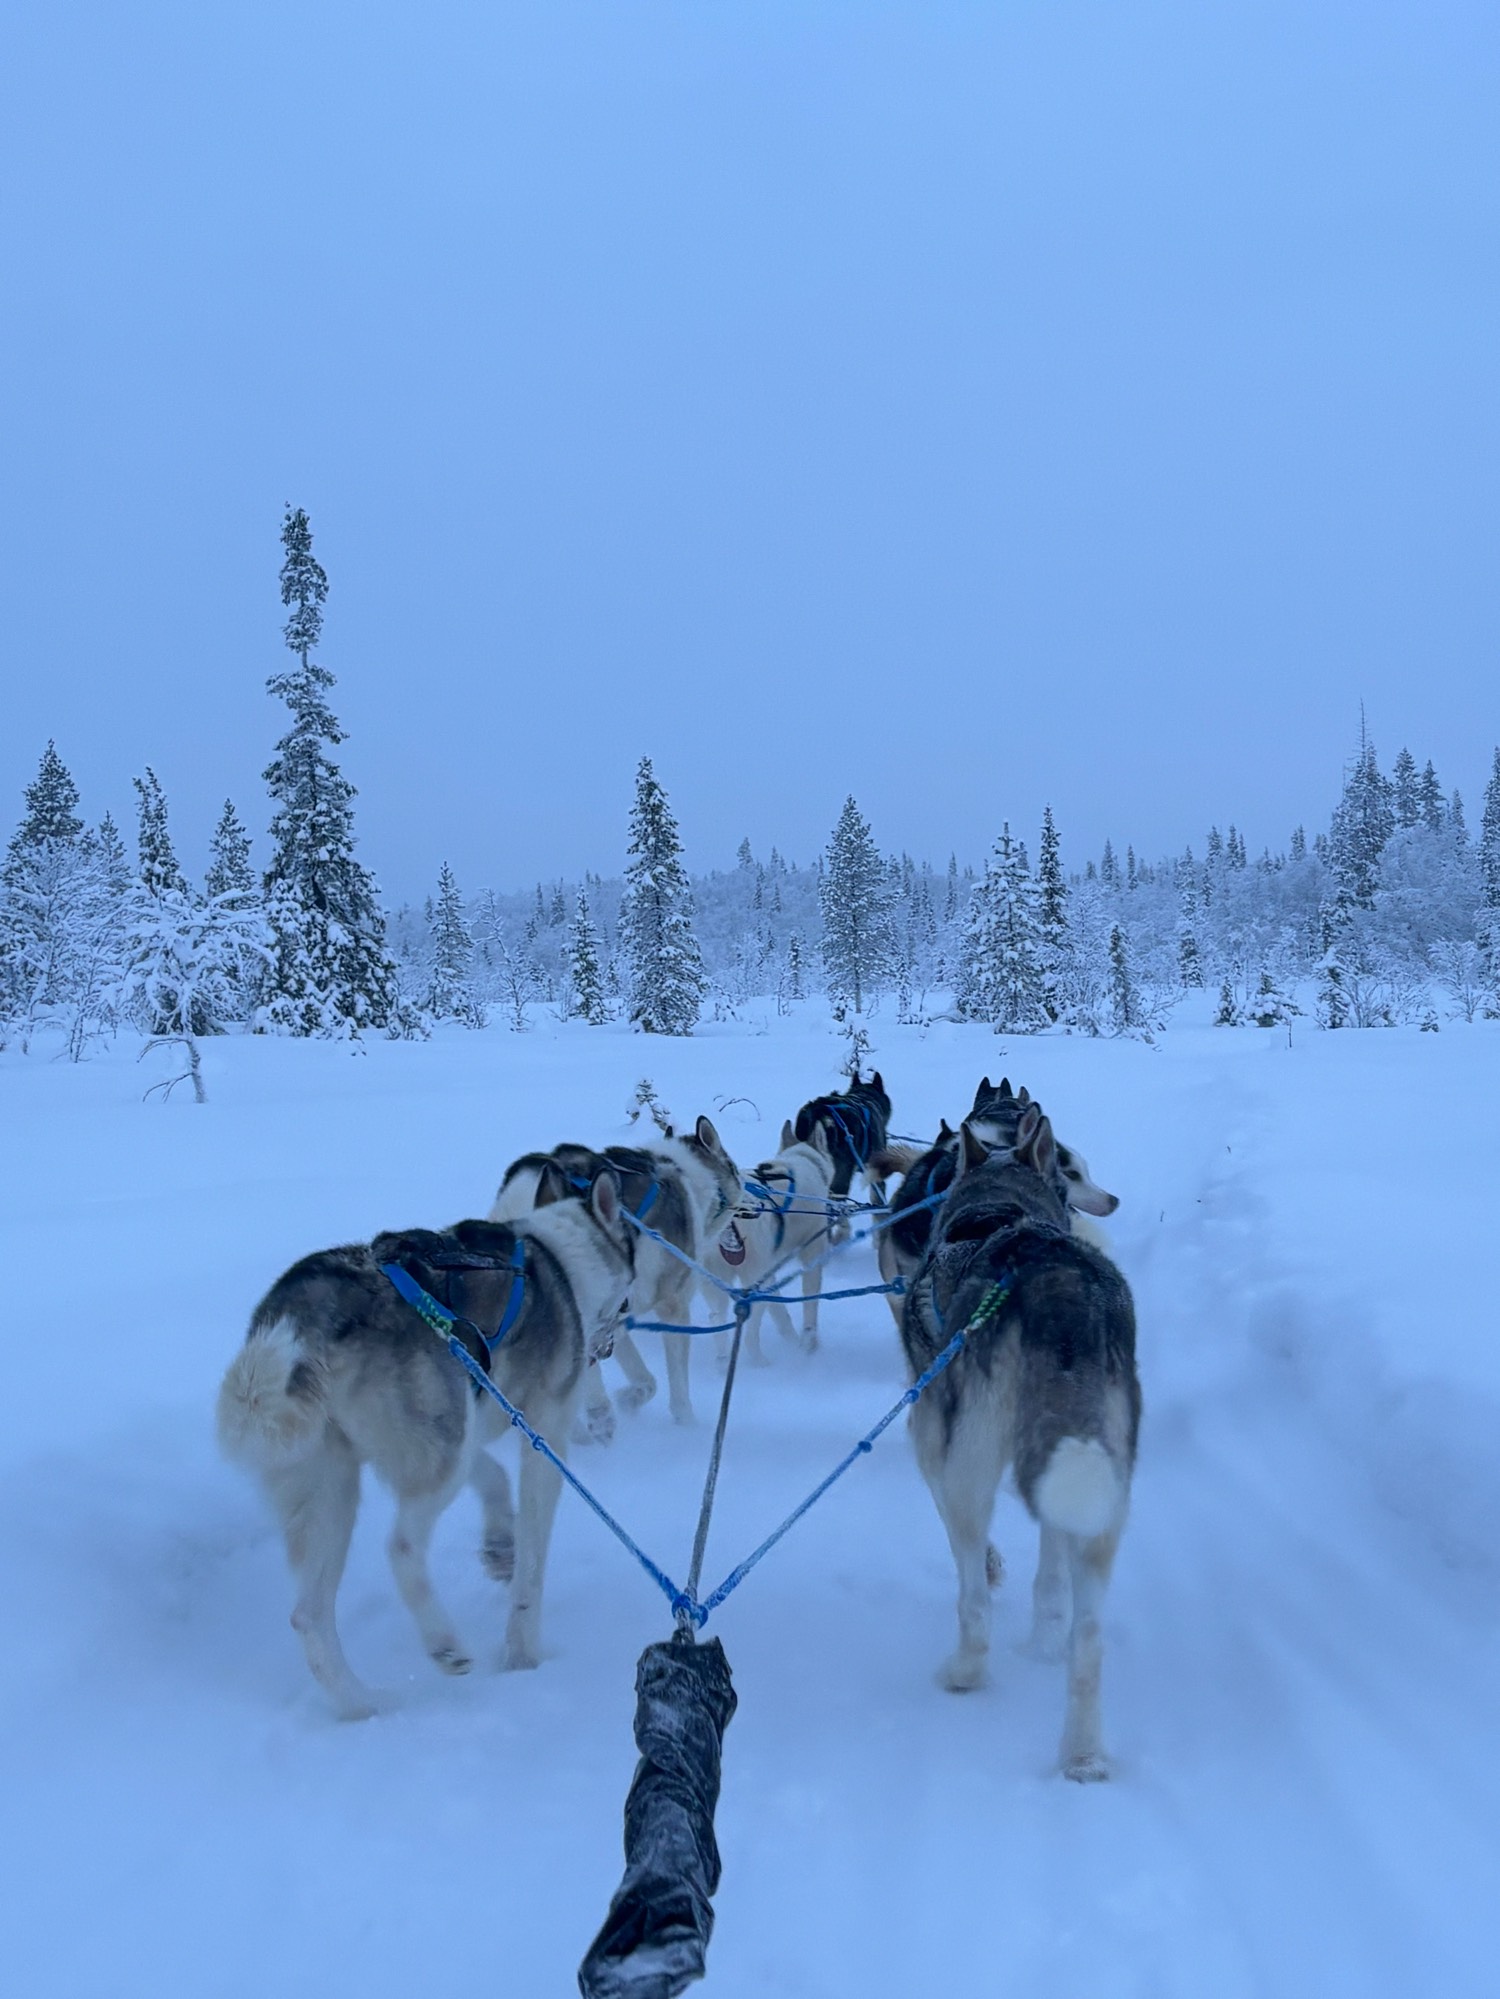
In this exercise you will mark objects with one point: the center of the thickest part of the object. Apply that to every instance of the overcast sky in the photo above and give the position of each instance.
(965, 406)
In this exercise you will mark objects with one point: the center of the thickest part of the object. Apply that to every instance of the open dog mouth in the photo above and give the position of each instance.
(732, 1245)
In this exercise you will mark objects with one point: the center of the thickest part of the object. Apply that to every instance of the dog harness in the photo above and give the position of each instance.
(442, 1319)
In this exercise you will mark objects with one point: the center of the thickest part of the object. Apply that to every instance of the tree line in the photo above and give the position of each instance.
(1389, 914)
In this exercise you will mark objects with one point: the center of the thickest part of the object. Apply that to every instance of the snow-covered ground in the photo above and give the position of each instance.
(1302, 1644)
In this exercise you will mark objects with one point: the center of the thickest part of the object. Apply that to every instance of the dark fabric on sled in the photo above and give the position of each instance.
(654, 1942)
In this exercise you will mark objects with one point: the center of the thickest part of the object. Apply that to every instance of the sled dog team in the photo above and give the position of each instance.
(338, 1370)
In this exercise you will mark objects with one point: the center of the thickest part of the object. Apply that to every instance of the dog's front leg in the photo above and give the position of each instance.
(540, 1485)
(674, 1298)
(640, 1381)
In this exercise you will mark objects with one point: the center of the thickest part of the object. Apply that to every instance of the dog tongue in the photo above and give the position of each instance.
(732, 1245)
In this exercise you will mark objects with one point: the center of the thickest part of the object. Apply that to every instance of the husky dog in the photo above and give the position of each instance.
(994, 1119)
(784, 1214)
(1048, 1384)
(681, 1188)
(517, 1196)
(855, 1124)
(338, 1371)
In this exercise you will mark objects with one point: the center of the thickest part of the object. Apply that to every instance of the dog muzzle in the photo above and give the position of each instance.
(732, 1246)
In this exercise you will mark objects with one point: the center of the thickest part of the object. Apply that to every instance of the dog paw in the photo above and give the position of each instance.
(994, 1566)
(635, 1395)
(757, 1357)
(964, 1673)
(364, 1703)
(1091, 1769)
(809, 1343)
(519, 1656)
(449, 1659)
(595, 1425)
(498, 1558)
(684, 1416)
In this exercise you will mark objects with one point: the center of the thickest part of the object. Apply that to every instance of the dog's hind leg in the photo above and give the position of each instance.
(1082, 1751)
(640, 1381)
(540, 1487)
(416, 1516)
(965, 1501)
(497, 1550)
(317, 1498)
(1050, 1596)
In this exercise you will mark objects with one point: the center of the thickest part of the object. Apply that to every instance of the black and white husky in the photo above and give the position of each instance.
(682, 1189)
(338, 1371)
(855, 1124)
(994, 1119)
(1046, 1384)
(783, 1216)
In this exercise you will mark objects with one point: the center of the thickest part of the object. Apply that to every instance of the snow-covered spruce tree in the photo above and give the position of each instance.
(96, 925)
(1406, 790)
(1227, 1013)
(42, 857)
(656, 918)
(231, 884)
(1362, 824)
(1052, 917)
(1126, 1016)
(1333, 994)
(586, 982)
(1430, 797)
(1003, 979)
(450, 993)
(332, 974)
(1489, 839)
(858, 933)
(1268, 1005)
(229, 869)
(158, 871)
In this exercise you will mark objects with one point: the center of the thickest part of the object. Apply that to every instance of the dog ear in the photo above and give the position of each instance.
(1005, 1089)
(877, 1082)
(973, 1153)
(1035, 1145)
(604, 1197)
(1025, 1096)
(820, 1141)
(551, 1185)
(708, 1138)
(788, 1136)
(945, 1131)
(979, 1096)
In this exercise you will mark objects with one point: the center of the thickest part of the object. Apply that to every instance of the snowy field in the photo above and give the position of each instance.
(1302, 1649)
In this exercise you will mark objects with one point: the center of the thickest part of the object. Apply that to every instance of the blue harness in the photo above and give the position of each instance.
(442, 1321)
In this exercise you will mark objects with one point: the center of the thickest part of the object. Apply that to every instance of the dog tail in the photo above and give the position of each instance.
(894, 1159)
(271, 1405)
(1081, 1489)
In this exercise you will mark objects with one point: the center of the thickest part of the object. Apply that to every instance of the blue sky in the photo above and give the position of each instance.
(965, 406)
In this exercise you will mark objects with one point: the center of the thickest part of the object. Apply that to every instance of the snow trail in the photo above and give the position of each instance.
(1300, 1639)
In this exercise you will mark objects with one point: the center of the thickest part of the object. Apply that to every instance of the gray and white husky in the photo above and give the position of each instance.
(338, 1371)
(681, 1188)
(1047, 1384)
(783, 1215)
(994, 1118)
